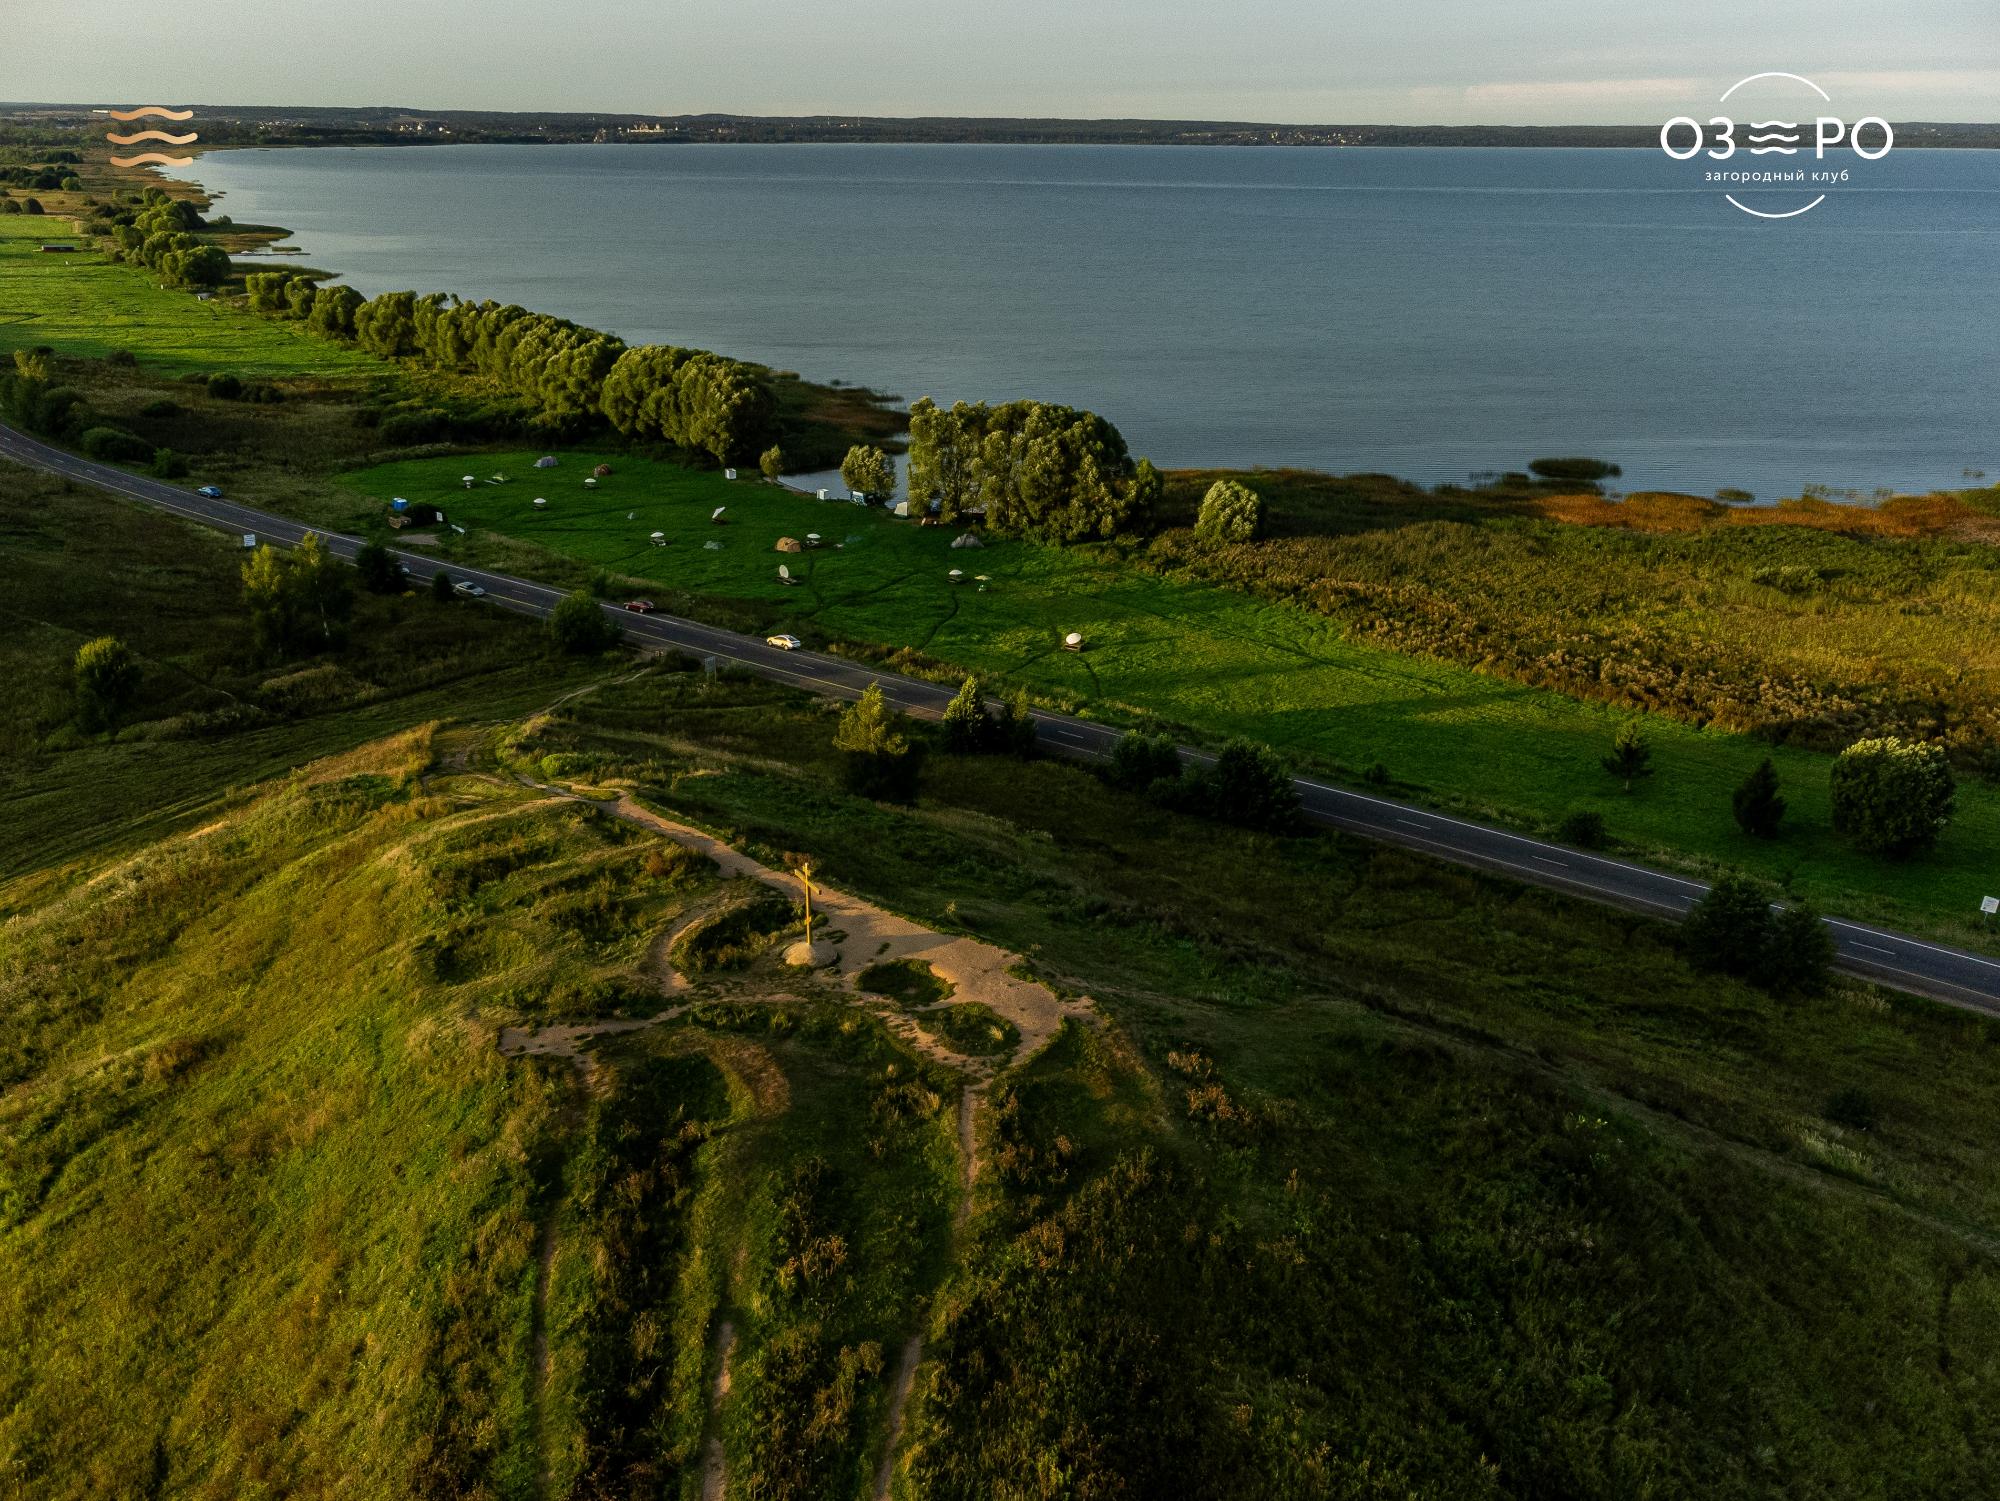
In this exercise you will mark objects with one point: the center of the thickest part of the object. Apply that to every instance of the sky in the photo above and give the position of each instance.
(1296, 61)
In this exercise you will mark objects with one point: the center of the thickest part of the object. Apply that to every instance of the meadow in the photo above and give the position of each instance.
(1206, 660)
(84, 305)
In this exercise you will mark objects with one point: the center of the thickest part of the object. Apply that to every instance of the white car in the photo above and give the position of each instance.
(469, 589)
(785, 642)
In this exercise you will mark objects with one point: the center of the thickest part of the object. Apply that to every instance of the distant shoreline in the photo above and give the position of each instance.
(226, 125)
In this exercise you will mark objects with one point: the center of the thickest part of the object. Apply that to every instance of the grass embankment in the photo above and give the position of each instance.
(1390, 1180)
(1223, 662)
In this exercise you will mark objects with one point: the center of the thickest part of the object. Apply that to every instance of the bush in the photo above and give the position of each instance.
(407, 429)
(161, 409)
(224, 386)
(1246, 784)
(1757, 804)
(169, 465)
(1230, 512)
(9, 206)
(579, 626)
(378, 570)
(114, 445)
(106, 678)
(1891, 796)
(1734, 930)
(773, 463)
(1139, 760)
(441, 587)
(1584, 829)
(123, 359)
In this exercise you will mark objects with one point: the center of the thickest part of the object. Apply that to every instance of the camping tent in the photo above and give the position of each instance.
(546, 461)
(790, 544)
(967, 539)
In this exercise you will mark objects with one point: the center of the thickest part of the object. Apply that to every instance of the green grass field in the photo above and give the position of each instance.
(83, 304)
(1211, 659)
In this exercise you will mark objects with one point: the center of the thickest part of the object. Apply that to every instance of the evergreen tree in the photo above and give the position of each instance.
(1631, 755)
(965, 726)
(1757, 804)
(106, 678)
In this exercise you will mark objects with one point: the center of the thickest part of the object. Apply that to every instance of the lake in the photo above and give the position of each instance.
(1430, 313)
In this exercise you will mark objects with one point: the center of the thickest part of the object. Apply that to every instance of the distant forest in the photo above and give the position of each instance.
(227, 125)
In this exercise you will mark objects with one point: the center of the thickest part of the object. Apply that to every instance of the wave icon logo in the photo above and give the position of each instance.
(139, 137)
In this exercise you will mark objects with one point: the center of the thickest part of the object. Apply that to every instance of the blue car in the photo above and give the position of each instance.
(210, 491)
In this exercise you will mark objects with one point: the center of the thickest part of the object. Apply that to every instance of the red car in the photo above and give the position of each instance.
(639, 606)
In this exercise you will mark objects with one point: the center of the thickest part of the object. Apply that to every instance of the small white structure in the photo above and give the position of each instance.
(546, 461)
(822, 494)
(902, 509)
(468, 481)
(957, 575)
(1073, 642)
(249, 541)
(541, 502)
(729, 474)
(659, 539)
(812, 539)
(715, 515)
(1989, 905)
(590, 484)
(712, 546)
(785, 575)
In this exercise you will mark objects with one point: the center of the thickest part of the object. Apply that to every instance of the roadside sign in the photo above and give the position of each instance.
(249, 540)
(1990, 906)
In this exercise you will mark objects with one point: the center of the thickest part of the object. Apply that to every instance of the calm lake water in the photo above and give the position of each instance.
(1430, 313)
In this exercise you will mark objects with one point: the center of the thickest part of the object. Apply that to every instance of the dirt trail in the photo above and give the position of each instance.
(714, 1466)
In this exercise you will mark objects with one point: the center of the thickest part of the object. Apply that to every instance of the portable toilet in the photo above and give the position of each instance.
(399, 504)
(822, 494)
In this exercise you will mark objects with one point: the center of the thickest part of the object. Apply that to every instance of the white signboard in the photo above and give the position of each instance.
(1990, 905)
(249, 540)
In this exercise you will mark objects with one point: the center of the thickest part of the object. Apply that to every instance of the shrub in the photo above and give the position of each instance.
(1730, 496)
(9, 206)
(579, 626)
(106, 678)
(378, 570)
(1230, 512)
(1892, 796)
(1734, 930)
(123, 359)
(1139, 760)
(773, 463)
(224, 386)
(1584, 829)
(169, 465)
(1246, 784)
(1757, 804)
(407, 429)
(964, 724)
(441, 587)
(161, 409)
(114, 445)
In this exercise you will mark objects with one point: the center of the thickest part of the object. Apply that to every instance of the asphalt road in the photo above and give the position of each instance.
(1946, 974)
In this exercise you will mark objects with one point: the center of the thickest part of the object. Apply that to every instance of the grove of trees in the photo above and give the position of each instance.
(689, 398)
(162, 237)
(1036, 470)
(1735, 930)
(879, 759)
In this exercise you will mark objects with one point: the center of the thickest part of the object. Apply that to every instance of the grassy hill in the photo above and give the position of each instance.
(1370, 1179)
